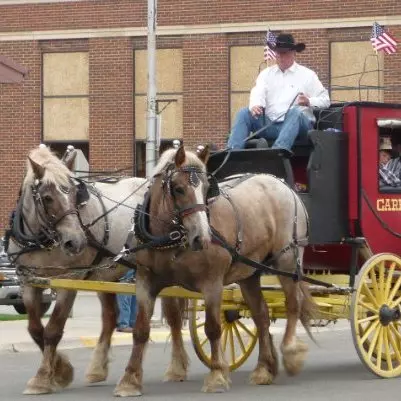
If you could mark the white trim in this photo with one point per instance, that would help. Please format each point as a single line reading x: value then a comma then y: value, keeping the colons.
x: 7, y: 2
x: 331, y: 23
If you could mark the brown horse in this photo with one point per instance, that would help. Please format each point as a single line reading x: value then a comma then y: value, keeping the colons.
x: 63, y: 225
x: 259, y: 216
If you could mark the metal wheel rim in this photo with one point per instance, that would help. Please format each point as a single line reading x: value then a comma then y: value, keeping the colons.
x: 378, y: 342
x: 231, y: 332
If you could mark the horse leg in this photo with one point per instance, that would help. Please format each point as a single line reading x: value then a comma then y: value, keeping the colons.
x: 173, y: 309
x: 97, y: 370
x: 131, y: 382
x: 55, y: 370
x: 294, y: 351
x: 218, y: 379
x: 267, y: 365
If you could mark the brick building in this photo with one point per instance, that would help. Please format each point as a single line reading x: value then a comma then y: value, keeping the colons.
x: 86, y: 60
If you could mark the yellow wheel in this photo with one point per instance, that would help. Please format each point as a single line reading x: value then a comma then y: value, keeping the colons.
x: 376, y: 314
x: 238, y: 338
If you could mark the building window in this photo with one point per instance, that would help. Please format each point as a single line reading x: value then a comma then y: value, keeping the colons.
x: 246, y: 62
x: 356, y: 73
x: 66, y: 100
x: 169, y: 84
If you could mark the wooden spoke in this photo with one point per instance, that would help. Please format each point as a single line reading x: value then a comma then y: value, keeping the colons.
x: 378, y: 345
x: 238, y: 335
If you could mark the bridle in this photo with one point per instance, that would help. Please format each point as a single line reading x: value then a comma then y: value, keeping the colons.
x: 50, y: 220
x: 46, y: 236
x: 195, y: 177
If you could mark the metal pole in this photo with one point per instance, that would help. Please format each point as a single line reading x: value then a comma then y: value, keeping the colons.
x: 151, y: 140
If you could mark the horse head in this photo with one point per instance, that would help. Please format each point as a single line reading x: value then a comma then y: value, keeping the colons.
x: 48, y: 202
x: 185, y: 184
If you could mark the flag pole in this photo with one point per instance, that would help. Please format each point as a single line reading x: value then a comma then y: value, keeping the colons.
x: 151, y: 119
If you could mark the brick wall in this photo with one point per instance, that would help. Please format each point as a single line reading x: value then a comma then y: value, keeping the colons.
x: 20, y: 122
x: 205, y: 62
x: 111, y: 104
x: 206, y: 85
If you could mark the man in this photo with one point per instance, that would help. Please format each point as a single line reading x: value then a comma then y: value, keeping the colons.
x: 126, y: 307
x: 389, y: 168
x: 286, y: 93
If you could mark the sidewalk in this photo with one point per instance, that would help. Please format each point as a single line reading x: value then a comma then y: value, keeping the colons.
x: 83, y: 328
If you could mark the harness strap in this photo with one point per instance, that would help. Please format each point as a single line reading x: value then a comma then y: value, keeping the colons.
x: 264, y: 267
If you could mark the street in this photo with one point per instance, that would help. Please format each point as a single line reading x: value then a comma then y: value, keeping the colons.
x: 332, y: 372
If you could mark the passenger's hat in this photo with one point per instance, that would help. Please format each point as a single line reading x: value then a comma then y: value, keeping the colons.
x: 285, y: 42
x: 385, y: 144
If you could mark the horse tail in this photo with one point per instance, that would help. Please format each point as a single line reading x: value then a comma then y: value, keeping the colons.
x: 309, y: 309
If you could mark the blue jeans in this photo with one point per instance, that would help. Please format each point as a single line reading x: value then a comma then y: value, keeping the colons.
x: 126, y: 305
x: 284, y: 133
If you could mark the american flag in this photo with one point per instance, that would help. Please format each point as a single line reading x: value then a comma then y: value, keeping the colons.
x: 382, y: 41
x: 269, y: 53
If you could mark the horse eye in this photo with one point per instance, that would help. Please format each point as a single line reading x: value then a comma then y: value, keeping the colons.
x: 179, y: 190
x: 47, y: 199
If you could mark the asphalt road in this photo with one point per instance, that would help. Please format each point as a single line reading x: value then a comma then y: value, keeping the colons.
x: 333, y: 372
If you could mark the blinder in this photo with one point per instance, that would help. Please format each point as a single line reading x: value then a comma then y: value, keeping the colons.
x: 82, y: 194
x: 214, y: 189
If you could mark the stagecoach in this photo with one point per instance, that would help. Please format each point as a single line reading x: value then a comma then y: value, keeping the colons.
x: 355, y: 224
x: 352, y: 262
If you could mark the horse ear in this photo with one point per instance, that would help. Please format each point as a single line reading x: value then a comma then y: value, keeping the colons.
x: 38, y: 170
x: 204, y: 154
x: 69, y: 162
x: 180, y: 156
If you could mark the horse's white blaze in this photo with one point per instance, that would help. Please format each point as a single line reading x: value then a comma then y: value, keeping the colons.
x: 202, y: 223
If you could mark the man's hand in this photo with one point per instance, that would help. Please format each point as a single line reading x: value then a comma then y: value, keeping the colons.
x: 303, y: 100
x: 256, y: 111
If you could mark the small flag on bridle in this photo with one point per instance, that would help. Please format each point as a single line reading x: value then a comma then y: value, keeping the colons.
x: 382, y: 40
x: 269, y: 53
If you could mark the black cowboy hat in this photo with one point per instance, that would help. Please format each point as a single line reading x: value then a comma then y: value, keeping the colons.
x: 286, y: 42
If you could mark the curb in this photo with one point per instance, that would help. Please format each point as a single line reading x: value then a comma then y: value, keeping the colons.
x: 157, y: 335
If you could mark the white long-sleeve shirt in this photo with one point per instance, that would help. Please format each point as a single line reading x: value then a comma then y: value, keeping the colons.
x: 276, y: 90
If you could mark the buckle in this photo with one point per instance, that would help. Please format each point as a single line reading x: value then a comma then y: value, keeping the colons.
x: 175, y: 235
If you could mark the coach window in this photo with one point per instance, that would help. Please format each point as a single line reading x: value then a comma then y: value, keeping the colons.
x: 356, y: 74
x: 169, y: 83
x: 389, y: 155
x: 65, y: 99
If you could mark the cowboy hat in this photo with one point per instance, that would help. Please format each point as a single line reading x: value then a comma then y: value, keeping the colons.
x: 285, y: 42
x: 385, y: 144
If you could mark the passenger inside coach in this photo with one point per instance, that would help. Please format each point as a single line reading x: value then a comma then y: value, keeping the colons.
x: 390, y: 167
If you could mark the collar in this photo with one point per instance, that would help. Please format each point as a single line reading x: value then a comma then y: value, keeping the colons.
x: 292, y: 69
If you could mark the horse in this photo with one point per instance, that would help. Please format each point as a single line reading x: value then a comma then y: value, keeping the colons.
x: 63, y: 226
x: 256, y: 216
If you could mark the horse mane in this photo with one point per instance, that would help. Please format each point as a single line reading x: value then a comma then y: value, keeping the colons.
x: 56, y: 172
x: 167, y: 157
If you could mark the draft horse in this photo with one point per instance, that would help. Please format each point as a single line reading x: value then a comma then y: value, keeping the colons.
x: 60, y: 224
x: 258, y: 216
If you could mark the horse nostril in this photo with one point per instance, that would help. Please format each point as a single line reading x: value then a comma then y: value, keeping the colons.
x: 73, y: 246
x: 197, y: 244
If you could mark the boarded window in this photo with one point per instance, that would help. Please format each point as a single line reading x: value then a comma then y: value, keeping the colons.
x: 169, y: 107
x: 245, y: 64
x: 356, y: 72
x: 65, y: 97
x: 169, y: 83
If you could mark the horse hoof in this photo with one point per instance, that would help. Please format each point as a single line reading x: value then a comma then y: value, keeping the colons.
x: 95, y: 378
x: 294, y: 357
x: 126, y: 391
x: 36, y: 387
x: 175, y: 374
x: 64, y: 372
x: 215, y: 382
x: 261, y: 376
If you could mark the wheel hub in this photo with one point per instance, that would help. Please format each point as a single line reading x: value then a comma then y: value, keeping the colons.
x: 388, y: 315
x: 231, y: 315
